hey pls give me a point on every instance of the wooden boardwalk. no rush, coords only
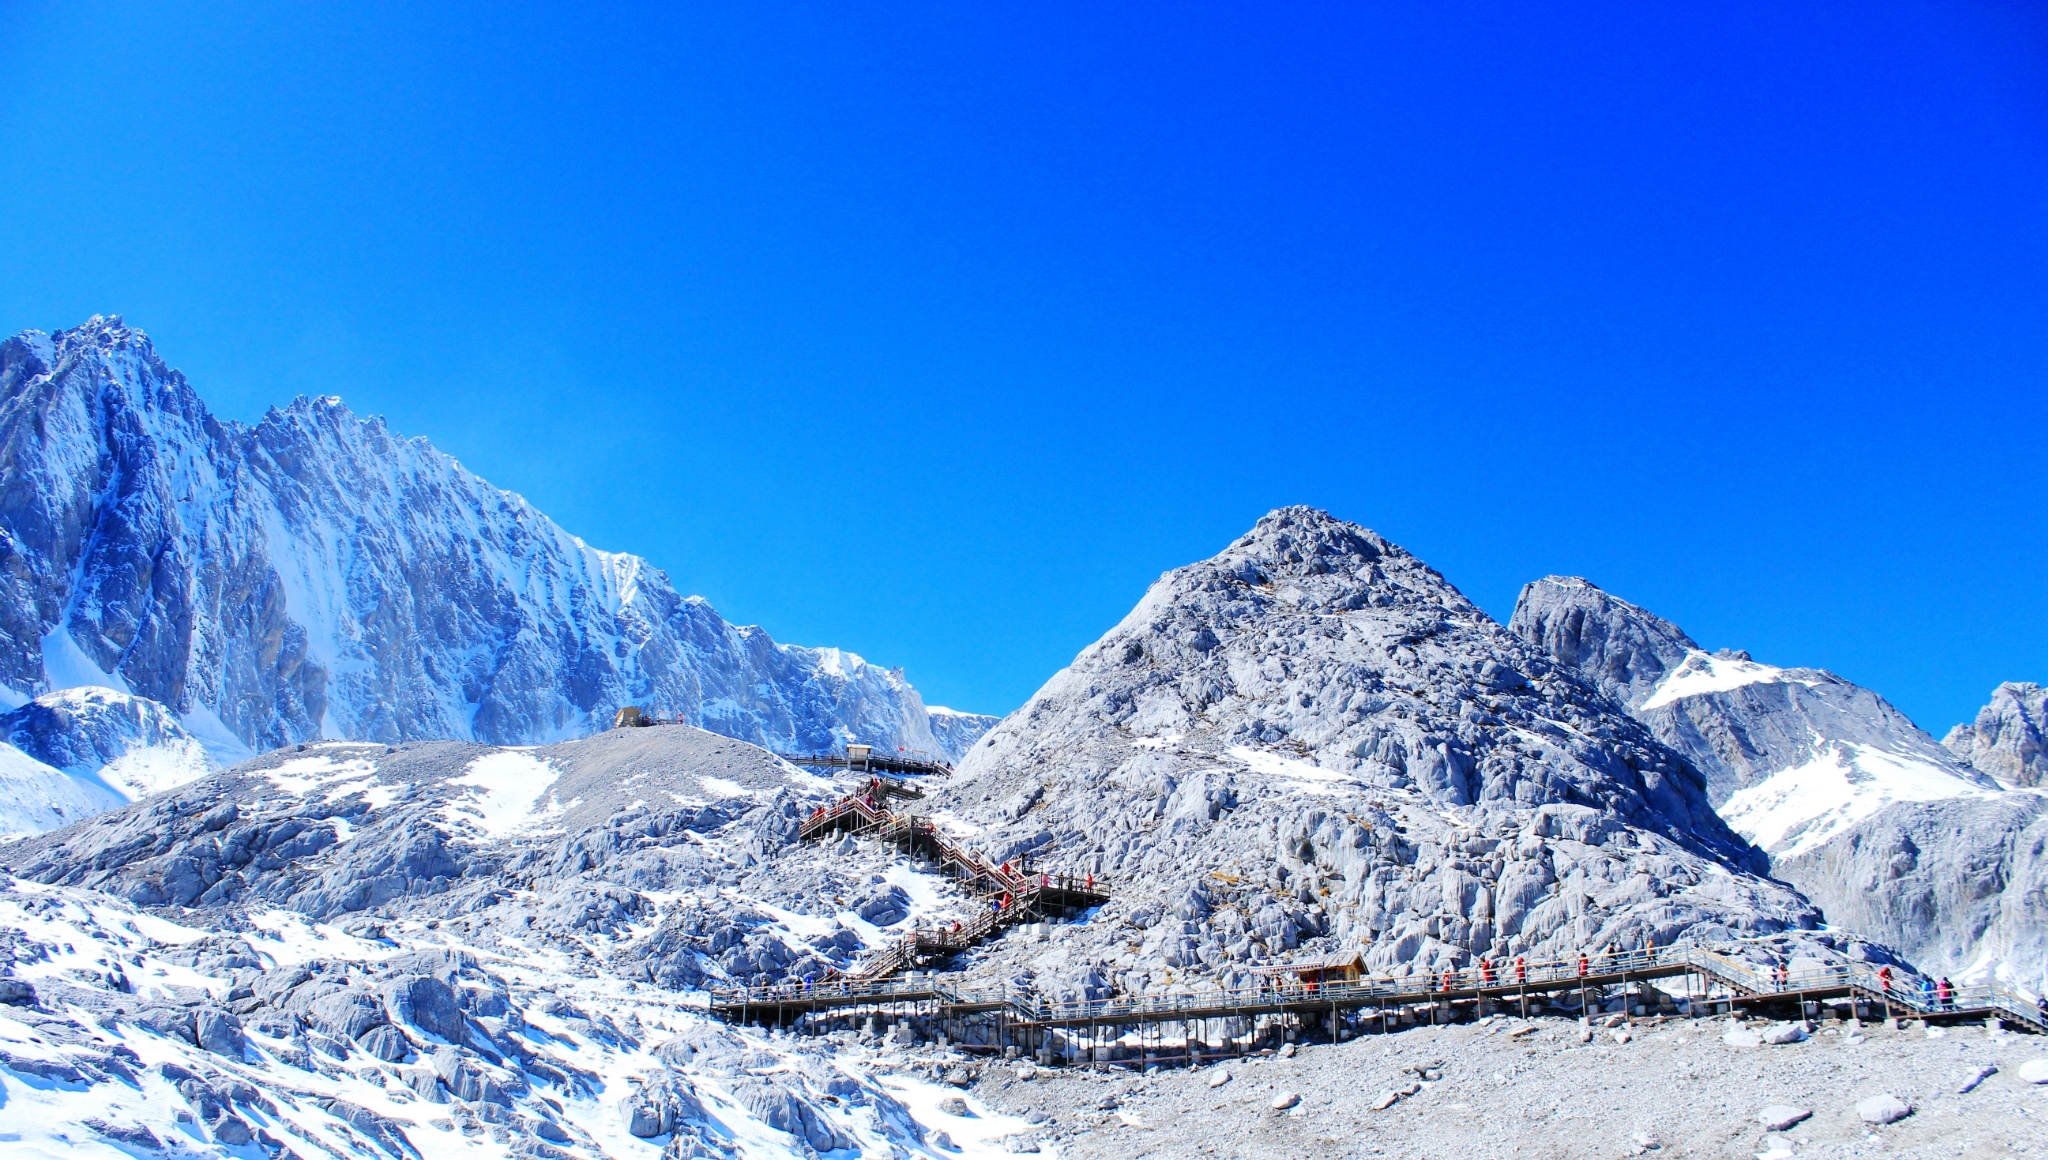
(1718, 982)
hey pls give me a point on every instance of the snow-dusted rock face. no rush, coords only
(1897, 838)
(317, 575)
(1959, 886)
(956, 732)
(1313, 741)
(35, 797)
(75, 753)
(449, 947)
(2009, 738)
(1793, 757)
(132, 745)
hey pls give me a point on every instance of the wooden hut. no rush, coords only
(1336, 970)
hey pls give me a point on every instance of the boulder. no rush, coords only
(346, 1014)
(218, 1031)
(2034, 1071)
(1385, 1100)
(385, 1042)
(1221, 1077)
(1787, 1033)
(1779, 1117)
(954, 1106)
(232, 1130)
(426, 1003)
(642, 1118)
(1742, 1037)
(1285, 1100)
(1883, 1109)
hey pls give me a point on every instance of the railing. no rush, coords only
(1022, 892)
(1499, 978)
(876, 761)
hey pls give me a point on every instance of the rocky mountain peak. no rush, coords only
(1624, 649)
(1311, 559)
(1318, 721)
(2009, 738)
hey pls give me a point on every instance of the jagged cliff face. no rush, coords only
(1313, 740)
(2009, 738)
(1959, 886)
(317, 575)
(1792, 756)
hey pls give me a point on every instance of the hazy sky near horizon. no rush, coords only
(937, 332)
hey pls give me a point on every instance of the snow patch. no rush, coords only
(35, 797)
(1302, 776)
(1795, 811)
(66, 666)
(1703, 673)
(299, 776)
(507, 788)
(142, 772)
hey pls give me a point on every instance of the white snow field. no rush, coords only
(1797, 810)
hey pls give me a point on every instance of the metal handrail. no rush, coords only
(1503, 978)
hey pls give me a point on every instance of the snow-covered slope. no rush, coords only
(78, 752)
(35, 797)
(317, 575)
(1895, 836)
(450, 949)
(2009, 738)
(1792, 756)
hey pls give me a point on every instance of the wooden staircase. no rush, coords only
(1014, 895)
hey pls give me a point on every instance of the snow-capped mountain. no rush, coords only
(1792, 756)
(2009, 738)
(956, 732)
(78, 752)
(317, 575)
(1895, 836)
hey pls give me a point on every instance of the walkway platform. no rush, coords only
(1717, 981)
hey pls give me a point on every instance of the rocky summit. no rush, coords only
(1314, 741)
(2009, 738)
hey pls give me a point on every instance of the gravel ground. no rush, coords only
(1513, 1088)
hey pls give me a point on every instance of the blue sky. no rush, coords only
(938, 332)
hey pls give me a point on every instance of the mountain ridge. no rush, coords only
(316, 575)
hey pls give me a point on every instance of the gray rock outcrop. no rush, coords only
(1313, 741)
(2009, 738)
